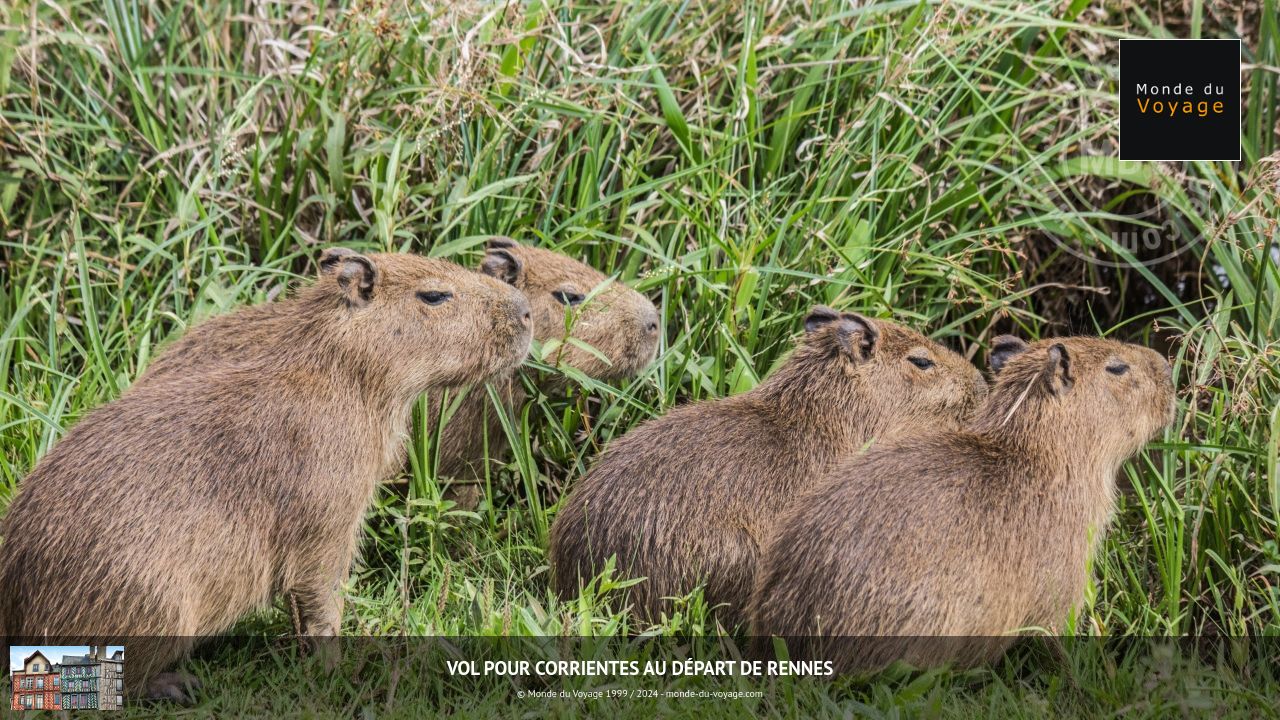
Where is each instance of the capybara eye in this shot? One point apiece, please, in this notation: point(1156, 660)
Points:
point(565, 297)
point(923, 363)
point(1118, 368)
point(434, 297)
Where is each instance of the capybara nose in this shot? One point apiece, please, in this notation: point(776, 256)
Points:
point(649, 321)
point(522, 310)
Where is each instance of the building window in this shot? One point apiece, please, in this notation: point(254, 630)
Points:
point(119, 684)
point(120, 700)
point(39, 702)
point(39, 683)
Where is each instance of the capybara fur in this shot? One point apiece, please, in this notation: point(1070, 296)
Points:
point(970, 534)
point(196, 498)
point(620, 324)
point(690, 497)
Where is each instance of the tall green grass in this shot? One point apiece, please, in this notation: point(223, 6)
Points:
point(738, 163)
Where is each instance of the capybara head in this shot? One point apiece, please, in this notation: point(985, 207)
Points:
point(571, 300)
point(923, 381)
point(1094, 390)
point(412, 315)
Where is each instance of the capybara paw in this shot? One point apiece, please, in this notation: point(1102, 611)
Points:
point(325, 648)
point(329, 653)
point(176, 687)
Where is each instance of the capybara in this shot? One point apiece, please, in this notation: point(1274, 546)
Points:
point(690, 497)
point(196, 498)
point(970, 534)
point(620, 325)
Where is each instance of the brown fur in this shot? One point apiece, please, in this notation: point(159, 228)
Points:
point(691, 496)
point(972, 533)
point(618, 322)
point(197, 497)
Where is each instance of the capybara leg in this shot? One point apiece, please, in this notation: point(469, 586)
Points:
point(320, 608)
point(176, 687)
point(730, 569)
point(145, 666)
point(320, 611)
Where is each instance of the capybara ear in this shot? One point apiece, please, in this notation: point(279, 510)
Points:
point(819, 317)
point(500, 264)
point(859, 336)
point(500, 241)
point(356, 274)
point(1004, 348)
point(1057, 369)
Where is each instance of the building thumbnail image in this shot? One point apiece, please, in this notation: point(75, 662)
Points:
point(36, 687)
point(90, 681)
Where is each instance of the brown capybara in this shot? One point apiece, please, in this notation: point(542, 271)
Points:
point(618, 323)
point(936, 548)
point(194, 499)
point(690, 497)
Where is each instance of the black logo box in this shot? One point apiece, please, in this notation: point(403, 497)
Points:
point(1186, 65)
